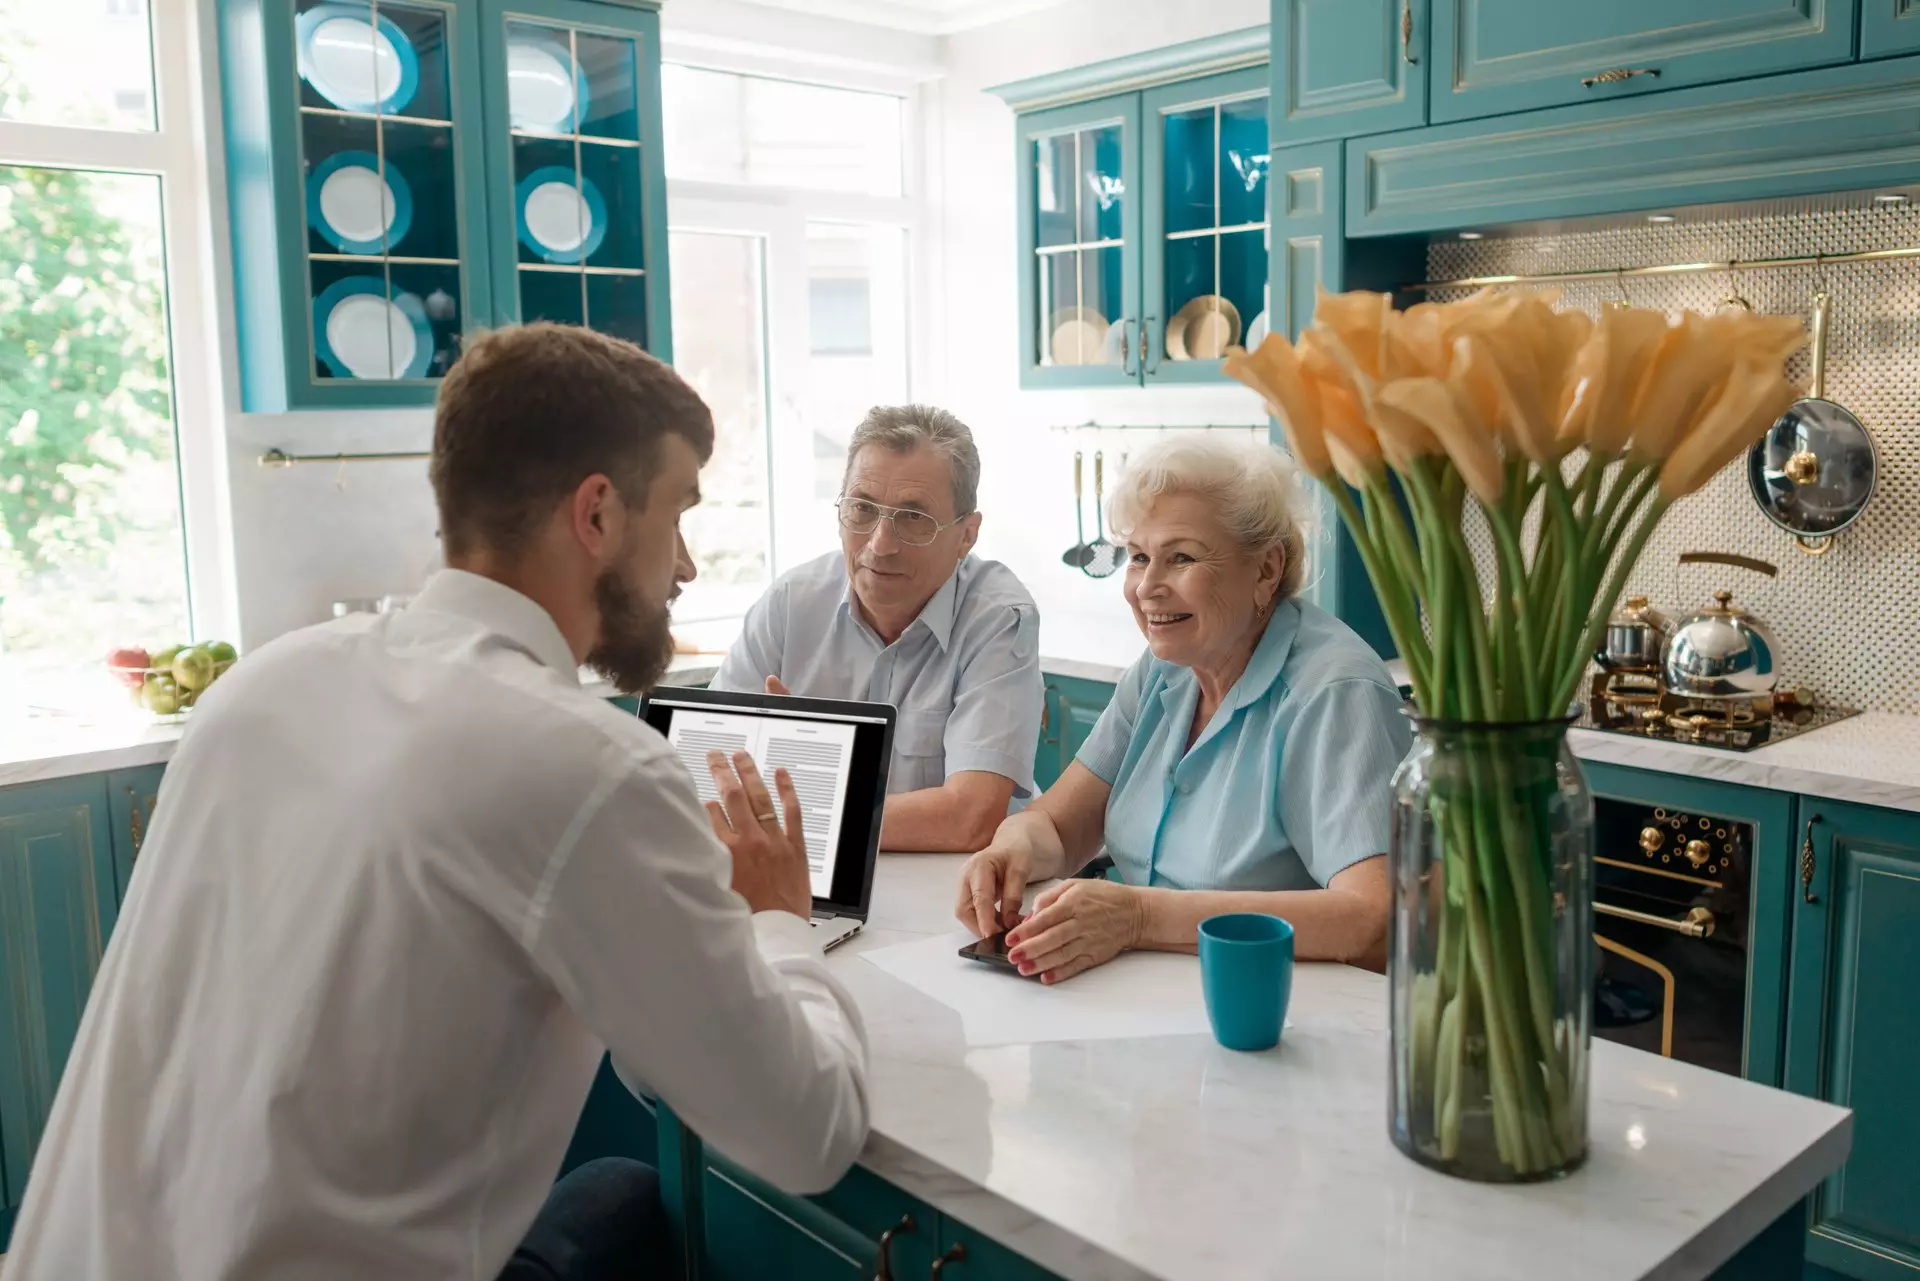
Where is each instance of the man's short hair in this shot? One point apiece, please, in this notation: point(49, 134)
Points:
point(529, 412)
point(905, 428)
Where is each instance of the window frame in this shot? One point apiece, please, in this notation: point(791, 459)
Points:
point(782, 214)
point(175, 152)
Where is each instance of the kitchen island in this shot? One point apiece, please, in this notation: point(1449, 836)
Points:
point(1173, 1159)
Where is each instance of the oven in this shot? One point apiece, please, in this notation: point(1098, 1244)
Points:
point(1672, 902)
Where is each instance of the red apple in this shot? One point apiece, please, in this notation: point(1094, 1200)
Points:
point(129, 666)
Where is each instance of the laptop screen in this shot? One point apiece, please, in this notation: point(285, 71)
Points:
point(837, 754)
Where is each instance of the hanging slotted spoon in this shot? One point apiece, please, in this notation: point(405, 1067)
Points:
point(1081, 552)
point(1106, 556)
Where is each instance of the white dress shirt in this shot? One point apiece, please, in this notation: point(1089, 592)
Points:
point(405, 883)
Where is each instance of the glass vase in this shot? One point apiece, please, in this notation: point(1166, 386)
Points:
point(1492, 965)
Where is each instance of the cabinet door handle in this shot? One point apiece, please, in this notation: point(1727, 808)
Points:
point(884, 1270)
point(136, 826)
point(1406, 33)
point(1126, 346)
point(1149, 359)
point(956, 1253)
point(1806, 863)
point(1618, 74)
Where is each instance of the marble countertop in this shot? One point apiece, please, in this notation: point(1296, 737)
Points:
point(1172, 1159)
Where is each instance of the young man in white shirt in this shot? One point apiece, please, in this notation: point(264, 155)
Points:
point(406, 882)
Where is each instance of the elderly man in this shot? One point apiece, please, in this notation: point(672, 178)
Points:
point(904, 614)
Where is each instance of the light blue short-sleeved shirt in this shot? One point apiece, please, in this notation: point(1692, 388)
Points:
point(1288, 784)
point(965, 676)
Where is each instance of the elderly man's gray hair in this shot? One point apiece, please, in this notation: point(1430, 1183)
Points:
point(905, 428)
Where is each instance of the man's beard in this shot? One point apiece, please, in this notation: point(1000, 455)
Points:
point(636, 639)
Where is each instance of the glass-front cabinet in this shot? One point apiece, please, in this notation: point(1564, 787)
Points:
point(405, 172)
point(580, 185)
point(1143, 233)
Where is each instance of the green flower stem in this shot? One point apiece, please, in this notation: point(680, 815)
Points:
point(1394, 592)
point(1519, 615)
point(1603, 603)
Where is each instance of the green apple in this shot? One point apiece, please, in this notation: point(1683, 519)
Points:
point(193, 668)
point(163, 659)
point(161, 696)
point(222, 652)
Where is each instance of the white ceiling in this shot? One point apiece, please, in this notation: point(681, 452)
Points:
point(922, 17)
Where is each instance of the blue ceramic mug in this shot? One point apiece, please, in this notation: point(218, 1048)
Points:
point(1246, 971)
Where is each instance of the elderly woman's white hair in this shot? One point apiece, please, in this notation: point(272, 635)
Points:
point(1253, 489)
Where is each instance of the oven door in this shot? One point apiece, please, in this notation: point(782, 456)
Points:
point(1670, 922)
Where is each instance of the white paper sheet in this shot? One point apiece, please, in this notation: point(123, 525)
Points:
point(1136, 994)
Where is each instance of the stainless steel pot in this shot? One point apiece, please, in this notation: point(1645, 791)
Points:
point(1636, 638)
point(1720, 652)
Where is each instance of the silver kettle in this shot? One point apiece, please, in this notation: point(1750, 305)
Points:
point(1636, 638)
point(1721, 652)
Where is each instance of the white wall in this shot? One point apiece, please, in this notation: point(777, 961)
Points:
point(1026, 485)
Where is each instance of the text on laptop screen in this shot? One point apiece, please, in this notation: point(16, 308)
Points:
point(836, 753)
point(816, 753)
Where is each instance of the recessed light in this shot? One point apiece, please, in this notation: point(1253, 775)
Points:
point(1659, 217)
point(1472, 235)
point(1890, 198)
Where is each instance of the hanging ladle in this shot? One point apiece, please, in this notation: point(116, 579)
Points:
point(1815, 469)
point(1106, 555)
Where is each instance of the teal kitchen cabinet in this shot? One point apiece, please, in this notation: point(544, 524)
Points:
point(614, 1122)
point(863, 1228)
point(1342, 68)
point(1142, 215)
point(57, 906)
point(576, 184)
point(1889, 27)
point(356, 181)
point(131, 797)
point(393, 163)
point(1853, 1027)
point(1492, 57)
point(1070, 709)
point(1836, 129)
point(1204, 230)
point(1079, 169)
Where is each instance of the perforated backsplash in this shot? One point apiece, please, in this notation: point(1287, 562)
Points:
point(1847, 624)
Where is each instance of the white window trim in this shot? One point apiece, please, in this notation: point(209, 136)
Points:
point(174, 152)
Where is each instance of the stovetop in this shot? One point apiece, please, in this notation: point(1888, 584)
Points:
point(1738, 726)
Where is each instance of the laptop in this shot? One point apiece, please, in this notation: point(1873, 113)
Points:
point(837, 753)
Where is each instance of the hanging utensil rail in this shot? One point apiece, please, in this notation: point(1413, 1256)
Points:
point(281, 458)
point(1673, 269)
point(1071, 427)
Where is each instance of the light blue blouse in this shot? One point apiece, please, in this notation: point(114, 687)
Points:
point(965, 675)
point(1286, 786)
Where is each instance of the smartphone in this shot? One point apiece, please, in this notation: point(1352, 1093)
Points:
point(992, 950)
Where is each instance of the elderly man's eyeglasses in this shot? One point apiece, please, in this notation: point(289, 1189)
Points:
point(915, 529)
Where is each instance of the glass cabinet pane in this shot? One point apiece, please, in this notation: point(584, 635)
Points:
point(381, 196)
point(574, 101)
point(1214, 227)
point(1080, 204)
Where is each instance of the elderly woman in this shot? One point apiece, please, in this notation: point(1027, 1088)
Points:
point(1244, 762)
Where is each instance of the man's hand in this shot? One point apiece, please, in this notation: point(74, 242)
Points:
point(769, 861)
point(775, 687)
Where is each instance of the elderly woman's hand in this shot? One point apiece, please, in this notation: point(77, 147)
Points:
point(1075, 926)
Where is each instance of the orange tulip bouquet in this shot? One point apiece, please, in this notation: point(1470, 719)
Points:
point(1572, 436)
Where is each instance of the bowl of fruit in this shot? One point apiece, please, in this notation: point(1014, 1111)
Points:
point(169, 681)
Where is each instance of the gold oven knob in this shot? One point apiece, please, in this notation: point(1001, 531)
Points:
point(1650, 839)
point(1699, 922)
point(1698, 852)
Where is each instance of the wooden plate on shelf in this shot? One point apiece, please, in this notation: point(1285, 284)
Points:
point(1078, 337)
point(1203, 329)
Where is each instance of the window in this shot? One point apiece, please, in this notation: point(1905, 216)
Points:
point(93, 549)
point(758, 132)
point(789, 255)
